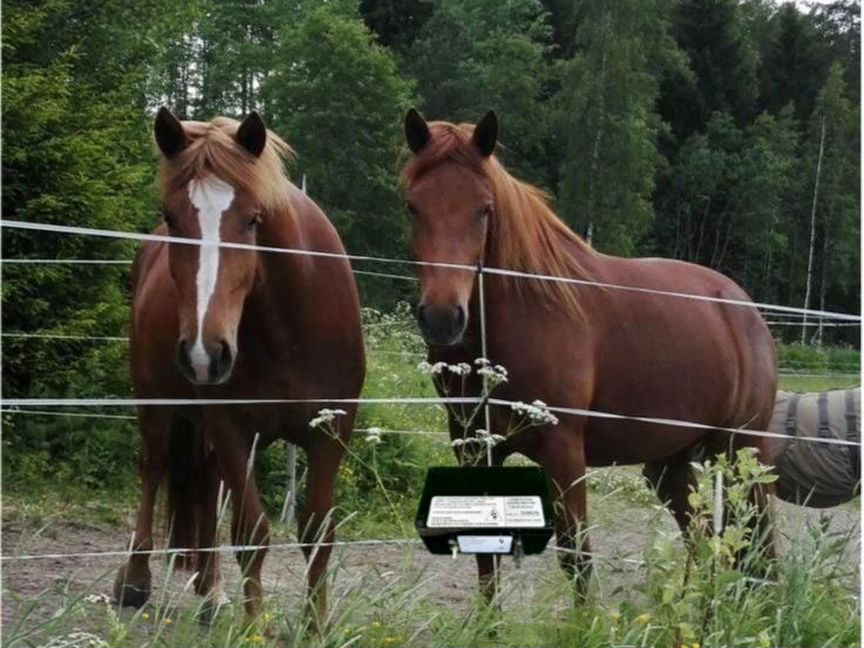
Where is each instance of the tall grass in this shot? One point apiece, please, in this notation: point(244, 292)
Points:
point(699, 593)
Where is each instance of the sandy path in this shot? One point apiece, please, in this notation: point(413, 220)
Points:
point(620, 529)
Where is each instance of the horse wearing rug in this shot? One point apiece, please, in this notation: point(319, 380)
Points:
point(211, 322)
point(580, 346)
point(818, 474)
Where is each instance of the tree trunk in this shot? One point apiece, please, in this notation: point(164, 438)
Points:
point(598, 138)
point(812, 233)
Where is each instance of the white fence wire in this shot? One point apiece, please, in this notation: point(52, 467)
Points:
point(137, 236)
point(779, 311)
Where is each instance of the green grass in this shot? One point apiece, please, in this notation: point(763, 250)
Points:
point(677, 598)
point(818, 383)
point(822, 359)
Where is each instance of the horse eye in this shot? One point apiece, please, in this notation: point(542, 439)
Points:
point(254, 221)
point(411, 209)
point(486, 212)
point(168, 217)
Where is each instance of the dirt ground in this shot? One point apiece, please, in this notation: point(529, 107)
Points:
point(620, 529)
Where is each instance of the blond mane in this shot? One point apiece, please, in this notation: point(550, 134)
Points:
point(525, 234)
point(212, 148)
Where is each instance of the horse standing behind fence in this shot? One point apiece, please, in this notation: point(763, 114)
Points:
point(574, 345)
point(211, 322)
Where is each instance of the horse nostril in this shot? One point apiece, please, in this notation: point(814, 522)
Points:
point(224, 353)
point(182, 355)
point(460, 318)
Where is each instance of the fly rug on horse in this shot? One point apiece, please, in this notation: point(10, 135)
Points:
point(576, 345)
point(212, 321)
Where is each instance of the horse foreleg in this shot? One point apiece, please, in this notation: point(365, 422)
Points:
point(249, 525)
point(562, 455)
point(315, 523)
point(672, 479)
point(487, 564)
point(208, 563)
point(133, 582)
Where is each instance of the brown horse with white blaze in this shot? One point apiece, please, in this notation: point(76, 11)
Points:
point(578, 346)
point(211, 321)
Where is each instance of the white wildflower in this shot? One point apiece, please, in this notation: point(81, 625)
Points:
point(373, 435)
point(455, 443)
point(326, 416)
point(481, 362)
point(97, 598)
point(483, 436)
point(537, 412)
point(494, 375)
point(431, 369)
point(461, 369)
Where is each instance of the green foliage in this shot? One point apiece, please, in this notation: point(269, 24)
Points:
point(794, 62)
point(723, 63)
point(798, 357)
point(474, 55)
point(338, 98)
point(606, 106)
point(838, 204)
point(767, 175)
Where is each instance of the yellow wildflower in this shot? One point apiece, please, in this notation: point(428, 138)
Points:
point(145, 615)
point(256, 639)
point(167, 621)
point(389, 639)
point(643, 618)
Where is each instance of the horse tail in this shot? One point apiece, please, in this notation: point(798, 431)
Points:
point(192, 491)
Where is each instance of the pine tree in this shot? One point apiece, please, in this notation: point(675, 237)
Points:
point(723, 63)
point(794, 63)
point(473, 55)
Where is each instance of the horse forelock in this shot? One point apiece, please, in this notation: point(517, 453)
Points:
point(524, 234)
point(212, 150)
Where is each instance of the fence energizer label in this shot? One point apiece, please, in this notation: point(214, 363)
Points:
point(485, 511)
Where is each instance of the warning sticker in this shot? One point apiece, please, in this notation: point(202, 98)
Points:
point(485, 544)
point(485, 511)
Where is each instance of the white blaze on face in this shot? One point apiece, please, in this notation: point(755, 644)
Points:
point(211, 197)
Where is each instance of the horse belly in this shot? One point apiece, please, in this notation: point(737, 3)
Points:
point(610, 441)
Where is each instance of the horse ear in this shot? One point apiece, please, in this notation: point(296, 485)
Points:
point(486, 134)
point(252, 134)
point(169, 133)
point(416, 130)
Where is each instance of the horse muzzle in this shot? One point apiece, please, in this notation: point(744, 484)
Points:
point(442, 325)
point(205, 364)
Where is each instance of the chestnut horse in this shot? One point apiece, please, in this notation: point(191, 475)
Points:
point(229, 323)
point(579, 346)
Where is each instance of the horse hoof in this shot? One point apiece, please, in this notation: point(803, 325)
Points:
point(130, 591)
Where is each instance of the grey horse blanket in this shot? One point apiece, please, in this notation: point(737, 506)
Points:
point(818, 474)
